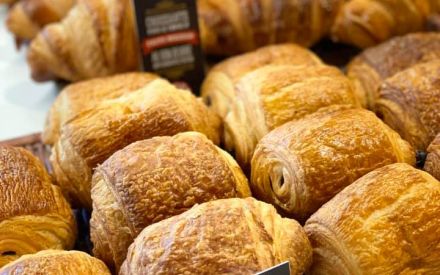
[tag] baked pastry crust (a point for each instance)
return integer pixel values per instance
(374, 65)
(56, 262)
(384, 223)
(303, 164)
(239, 236)
(158, 109)
(432, 164)
(155, 179)
(34, 215)
(409, 102)
(85, 95)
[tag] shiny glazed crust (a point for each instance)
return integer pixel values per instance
(275, 94)
(158, 109)
(230, 236)
(56, 262)
(154, 179)
(218, 89)
(384, 223)
(84, 95)
(303, 164)
(409, 102)
(376, 64)
(432, 164)
(33, 213)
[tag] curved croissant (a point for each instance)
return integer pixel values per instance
(409, 102)
(95, 39)
(33, 213)
(376, 64)
(235, 26)
(432, 164)
(152, 180)
(229, 236)
(303, 164)
(384, 223)
(85, 95)
(27, 17)
(56, 262)
(218, 89)
(364, 23)
(273, 95)
(158, 109)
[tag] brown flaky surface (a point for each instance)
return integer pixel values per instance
(376, 64)
(33, 213)
(27, 17)
(84, 95)
(158, 109)
(432, 164)
(154, 179)
(56, 262)
(275, 94)
(218, 89)
(302, 164)
(233, 26)
(386, 222)
(230, 236)
(95, 39)
(365, 23)
(410, 103)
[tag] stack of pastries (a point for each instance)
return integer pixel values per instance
(281, 158)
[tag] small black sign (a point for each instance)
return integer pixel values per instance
(281, 269)
(169, 40)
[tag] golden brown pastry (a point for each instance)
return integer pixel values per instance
(27, 17)
(303, 164)
(56, 262)
(218, 87)
(8, 1)
(235, 26)
(273, 95)
(432, 164)
(376, 64)
(81, 96)
(229, 236)
(34, 215)
(152, 180)
(386, 222)
(409, 102)
(95, 39)
(158, 109)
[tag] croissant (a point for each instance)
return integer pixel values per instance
(273, 95)
(432, 164)
(364, 23)
(376, 64)
(409, 102)
(158, 109)
(384, 223)
(303, 164)
(81, 96)
(34, 215)
(218, 87)
(229, 236)
(56, 262)
(231, 27)
(154, 179)
(27, 17)
(95, 39)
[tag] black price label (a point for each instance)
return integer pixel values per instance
(281, 269)
(169, 40)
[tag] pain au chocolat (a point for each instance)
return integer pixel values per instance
(154, 179)
(386, 222)
(34, 215)
(91, 137)
(303, 164)
(229, 236)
